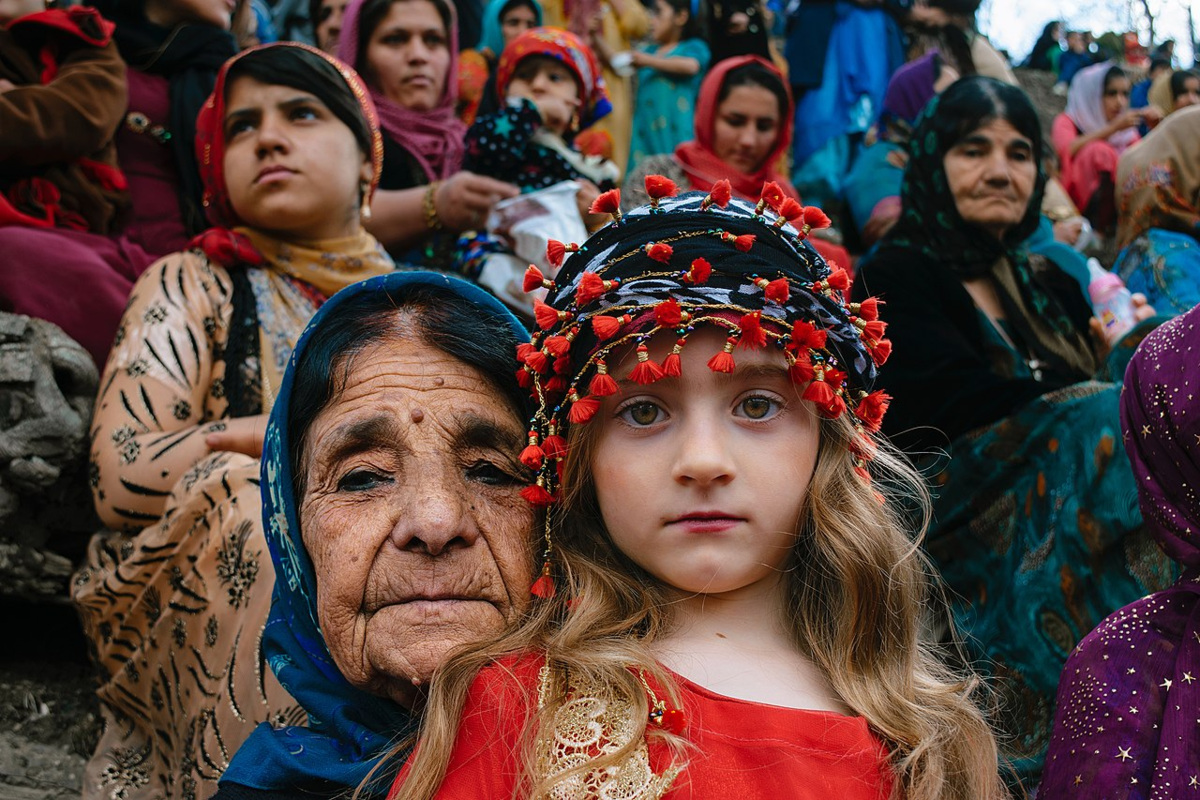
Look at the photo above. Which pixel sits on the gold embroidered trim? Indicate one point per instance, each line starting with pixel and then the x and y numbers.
pixel 592 722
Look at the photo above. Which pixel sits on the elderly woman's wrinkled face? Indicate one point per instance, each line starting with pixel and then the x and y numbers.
pixel 408 55
pixel 412 515
pixel 991 173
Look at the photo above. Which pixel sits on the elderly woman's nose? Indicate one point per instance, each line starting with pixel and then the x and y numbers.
pixel 435 520
pixel 997 168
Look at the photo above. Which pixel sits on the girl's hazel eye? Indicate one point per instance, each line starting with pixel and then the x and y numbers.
pixel 642 413
pixel 757 407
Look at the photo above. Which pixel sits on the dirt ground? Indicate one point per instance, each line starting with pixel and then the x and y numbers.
pixel 48 718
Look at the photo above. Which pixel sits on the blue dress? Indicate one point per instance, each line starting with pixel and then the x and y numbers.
pixel 663 115
pixel 1164 266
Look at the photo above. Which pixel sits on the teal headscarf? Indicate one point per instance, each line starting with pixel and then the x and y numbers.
pixel 348 729
pixel 493 37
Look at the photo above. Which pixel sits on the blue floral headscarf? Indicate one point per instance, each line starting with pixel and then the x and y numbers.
pixel 348 729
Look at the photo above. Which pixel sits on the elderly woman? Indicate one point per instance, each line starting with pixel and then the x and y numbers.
pixel 174 603
pixel 398 533
pixel 1130 685
pixel 1036 530
pixel 407 51
pixel 1158 205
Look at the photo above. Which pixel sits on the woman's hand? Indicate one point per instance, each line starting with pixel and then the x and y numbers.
pixel 241 435
pixel 464 199
pixel 1130 118
pixel 1142 311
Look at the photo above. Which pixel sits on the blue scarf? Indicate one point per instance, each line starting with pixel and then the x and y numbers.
pixel 348 729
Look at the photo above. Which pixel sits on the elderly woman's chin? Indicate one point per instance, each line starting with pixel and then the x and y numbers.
pixel 402 644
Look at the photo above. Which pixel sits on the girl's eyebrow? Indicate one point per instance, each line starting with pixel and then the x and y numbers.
pixel 753 371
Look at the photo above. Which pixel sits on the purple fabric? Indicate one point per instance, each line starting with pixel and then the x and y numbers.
pixel 1128 702
pixel 80 281
pixel 433 138
pixel 911 87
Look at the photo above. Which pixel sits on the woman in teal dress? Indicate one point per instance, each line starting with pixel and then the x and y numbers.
pixel 1158 202
pixel 668 78
pixel 1007 402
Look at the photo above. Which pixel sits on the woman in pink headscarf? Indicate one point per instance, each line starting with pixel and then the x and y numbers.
pixel 1097 126
pixel 407 50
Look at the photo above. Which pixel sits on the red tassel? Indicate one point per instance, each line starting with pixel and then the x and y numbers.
pixel 874 330
pixel 744 242
pixel 592 287
pixel 555 251
pixel 838 279
pixel 556 385
pixel 672 365
pixel 534 280
pixel 777 291
pixel 815 218
pixel 659 252
pixel 533 456
pixel 721 192
pixel 788 211
pixel 555 446
pixel 861 472
pixel 543 587
pixel 646 370
pixel 525 378
pixel 868 309
pixel 819 392
pixel 582 409
pixel 807 335
pixel 605 327
pixel 658 187
pixel 562 365
pixel 871 409
pixel 537 361
pixel 753 336
pixel 723 361
pixel 772 196
pixel 834 409
pixel 880 351
pixel 523 351
pixel 668 314
pixel 602 384
pixel 536 495
pixel 607 203
pixel 699 272
pixel 546 316
pixel 801 369
pixel 558 346
pixel 834 377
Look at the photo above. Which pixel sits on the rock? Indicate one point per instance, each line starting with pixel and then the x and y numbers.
pixel 47 388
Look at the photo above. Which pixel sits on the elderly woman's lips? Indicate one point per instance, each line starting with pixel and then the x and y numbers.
pixel 439 602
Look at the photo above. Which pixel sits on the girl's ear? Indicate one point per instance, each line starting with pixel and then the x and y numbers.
pixel 367 171
pixel 682 18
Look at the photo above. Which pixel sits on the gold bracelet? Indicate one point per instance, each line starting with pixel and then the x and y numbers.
pixel 429 210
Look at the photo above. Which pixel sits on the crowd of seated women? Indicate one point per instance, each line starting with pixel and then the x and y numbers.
pixel 186 209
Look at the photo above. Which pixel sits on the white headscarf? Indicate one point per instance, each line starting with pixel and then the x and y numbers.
pixel 1085 105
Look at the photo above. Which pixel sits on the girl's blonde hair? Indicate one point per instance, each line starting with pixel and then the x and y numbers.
pixel 857 589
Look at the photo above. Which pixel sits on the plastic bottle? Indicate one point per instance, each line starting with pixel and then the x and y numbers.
pixel 1111 301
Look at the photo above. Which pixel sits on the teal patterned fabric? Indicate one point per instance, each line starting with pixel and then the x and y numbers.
pixel 1164 266
pixel 1038 535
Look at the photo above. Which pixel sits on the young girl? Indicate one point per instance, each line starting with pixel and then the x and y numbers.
pixel 730 599
pixel 669 75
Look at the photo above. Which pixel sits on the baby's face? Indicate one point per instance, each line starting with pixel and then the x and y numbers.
pixel 552 88
pixel 14 9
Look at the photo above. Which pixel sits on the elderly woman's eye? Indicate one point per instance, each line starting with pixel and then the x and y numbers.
pixel 362 480
pixel 492 475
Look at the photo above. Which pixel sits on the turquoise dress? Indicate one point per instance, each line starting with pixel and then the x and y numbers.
pixel 665 106
pixel 1164 266
pixel 1038 536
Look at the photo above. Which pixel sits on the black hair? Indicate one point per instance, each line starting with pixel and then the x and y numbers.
pixel 373 12
pixel 754 74
pixel 300 69
pixel 433 315
pixel 1158 62
pixel 1179 79
pixel 958 8
pixel 694 27
pixel 1113 74
pixel 970 103
pixel 513 5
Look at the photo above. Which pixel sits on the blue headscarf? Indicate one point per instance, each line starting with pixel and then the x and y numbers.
pixel 348 729
pixel 493 37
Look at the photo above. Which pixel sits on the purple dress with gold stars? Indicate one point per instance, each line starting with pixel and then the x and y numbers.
pixel 1128 719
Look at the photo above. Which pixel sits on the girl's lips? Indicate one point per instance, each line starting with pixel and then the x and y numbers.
pixel 273 174
pixel 707 522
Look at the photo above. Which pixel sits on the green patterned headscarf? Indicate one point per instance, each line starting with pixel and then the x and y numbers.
pixel 931 225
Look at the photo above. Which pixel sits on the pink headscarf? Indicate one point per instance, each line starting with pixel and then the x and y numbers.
pixel 433 138
pixel 1085 105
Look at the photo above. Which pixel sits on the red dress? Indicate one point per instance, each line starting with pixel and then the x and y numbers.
pixel 743 750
